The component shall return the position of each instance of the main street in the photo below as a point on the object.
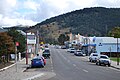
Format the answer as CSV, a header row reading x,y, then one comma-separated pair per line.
x,y
66,66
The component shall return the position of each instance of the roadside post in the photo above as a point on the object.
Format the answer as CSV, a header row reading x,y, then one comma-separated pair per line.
x,y
117,53
16,44
26,50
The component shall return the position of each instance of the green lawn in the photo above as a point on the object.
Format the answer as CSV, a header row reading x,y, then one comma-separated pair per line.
x,y
114,59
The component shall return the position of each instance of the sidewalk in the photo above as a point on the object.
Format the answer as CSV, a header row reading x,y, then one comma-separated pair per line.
x,y
114,65
16,72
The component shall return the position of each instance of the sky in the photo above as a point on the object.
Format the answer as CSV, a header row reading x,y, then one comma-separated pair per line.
x,y
31,12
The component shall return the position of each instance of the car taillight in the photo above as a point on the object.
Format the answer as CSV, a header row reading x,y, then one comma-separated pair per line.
x,y
32,62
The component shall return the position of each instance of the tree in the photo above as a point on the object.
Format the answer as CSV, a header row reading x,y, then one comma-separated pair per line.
x,y
6,45
115,32
62,38
18,37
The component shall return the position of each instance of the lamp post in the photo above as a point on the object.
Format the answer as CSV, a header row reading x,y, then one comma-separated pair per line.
x,y
117,53
26,50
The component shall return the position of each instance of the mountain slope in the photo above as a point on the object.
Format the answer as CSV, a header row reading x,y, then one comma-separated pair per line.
x,y
89,21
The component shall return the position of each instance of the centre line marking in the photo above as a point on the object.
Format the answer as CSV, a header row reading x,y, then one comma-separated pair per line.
x,y
74,65
85,70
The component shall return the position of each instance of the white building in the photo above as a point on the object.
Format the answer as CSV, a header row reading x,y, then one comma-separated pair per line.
x,y
31,42
105,44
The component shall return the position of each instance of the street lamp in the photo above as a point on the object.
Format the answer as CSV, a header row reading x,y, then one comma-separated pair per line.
x,y
117,53
26,50
116,36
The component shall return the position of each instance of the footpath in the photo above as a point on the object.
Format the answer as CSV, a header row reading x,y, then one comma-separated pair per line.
x,y
114,65
16,71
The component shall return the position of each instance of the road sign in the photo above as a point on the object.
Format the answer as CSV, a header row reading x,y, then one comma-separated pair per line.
x,y
17,43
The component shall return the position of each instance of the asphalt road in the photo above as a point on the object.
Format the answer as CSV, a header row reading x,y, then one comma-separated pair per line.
x,y
66,66
69,67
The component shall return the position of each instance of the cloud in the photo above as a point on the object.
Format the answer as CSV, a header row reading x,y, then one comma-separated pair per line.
x,y
29,12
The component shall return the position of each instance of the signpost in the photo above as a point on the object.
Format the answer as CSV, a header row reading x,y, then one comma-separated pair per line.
x,y
16,44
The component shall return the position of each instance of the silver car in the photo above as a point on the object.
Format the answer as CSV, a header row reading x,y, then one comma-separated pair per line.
x,y
93,57
103,59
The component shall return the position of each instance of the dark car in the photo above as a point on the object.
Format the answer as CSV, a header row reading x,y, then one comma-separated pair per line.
x,y
46,53
37,62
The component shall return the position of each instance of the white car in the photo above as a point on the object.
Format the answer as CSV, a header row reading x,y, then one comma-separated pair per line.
x,y
93,57
103,59
71,50
79,53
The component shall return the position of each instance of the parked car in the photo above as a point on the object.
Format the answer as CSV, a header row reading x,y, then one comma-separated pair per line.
x,y
71,50
103,59
44,60
79,53
63,47
46,53
93,57
37,62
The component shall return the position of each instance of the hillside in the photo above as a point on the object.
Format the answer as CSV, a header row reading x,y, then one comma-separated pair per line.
x,y
88,21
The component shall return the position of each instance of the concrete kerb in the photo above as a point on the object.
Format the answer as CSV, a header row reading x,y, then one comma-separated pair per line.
x,y
113,66
9,66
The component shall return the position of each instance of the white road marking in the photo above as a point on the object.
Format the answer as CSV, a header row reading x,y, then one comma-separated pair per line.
x,y
39,75
68,61
85,70
51,64
74,65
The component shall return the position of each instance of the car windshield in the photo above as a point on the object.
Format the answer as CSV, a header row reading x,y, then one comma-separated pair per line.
x,y
72,49
104,57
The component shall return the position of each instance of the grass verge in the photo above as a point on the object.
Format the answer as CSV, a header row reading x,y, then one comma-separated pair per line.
x,y
114,59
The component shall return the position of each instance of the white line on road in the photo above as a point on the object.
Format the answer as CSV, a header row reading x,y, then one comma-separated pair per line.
x,y
85,70
51,64
68,61
74,65
36,76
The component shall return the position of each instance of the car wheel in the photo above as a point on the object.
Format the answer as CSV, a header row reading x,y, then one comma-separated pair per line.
x,y
99,64
109,65
96,63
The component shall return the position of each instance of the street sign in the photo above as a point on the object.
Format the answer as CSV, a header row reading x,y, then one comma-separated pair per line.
x,y
17,43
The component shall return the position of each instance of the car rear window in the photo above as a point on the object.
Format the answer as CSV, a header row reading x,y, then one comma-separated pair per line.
x,y
46,51
72,49
95,55
37,59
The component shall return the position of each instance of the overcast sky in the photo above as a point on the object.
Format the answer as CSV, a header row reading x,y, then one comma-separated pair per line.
x,y
30,12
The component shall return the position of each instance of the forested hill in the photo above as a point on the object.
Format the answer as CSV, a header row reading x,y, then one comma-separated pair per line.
x,y
91,21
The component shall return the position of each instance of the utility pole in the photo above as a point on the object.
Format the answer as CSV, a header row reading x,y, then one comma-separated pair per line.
x,y
26,50
37,42
106,27
117,53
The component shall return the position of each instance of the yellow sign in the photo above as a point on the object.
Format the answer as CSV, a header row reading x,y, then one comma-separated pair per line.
x,y
41,43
